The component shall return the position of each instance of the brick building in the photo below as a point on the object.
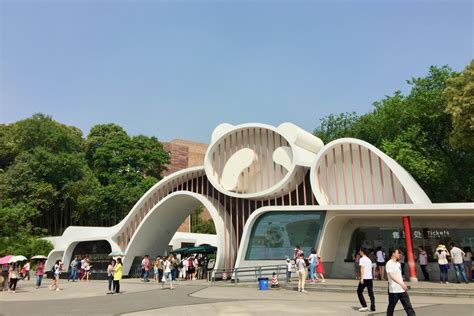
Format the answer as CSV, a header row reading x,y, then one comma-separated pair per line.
x,y
185,154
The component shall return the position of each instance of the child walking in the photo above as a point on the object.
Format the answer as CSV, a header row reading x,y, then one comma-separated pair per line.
x,y
320,270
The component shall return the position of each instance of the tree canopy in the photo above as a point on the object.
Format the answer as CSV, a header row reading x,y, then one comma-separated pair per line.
x,y
415,129
52,177
459,95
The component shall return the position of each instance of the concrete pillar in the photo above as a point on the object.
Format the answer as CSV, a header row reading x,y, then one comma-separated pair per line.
x,y
409,244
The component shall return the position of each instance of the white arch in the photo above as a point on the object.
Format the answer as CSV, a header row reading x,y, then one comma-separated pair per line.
x,y
160,224
153,196
352,171
271,180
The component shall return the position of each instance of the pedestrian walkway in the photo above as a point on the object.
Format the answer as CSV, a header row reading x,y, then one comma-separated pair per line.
x,y
199,298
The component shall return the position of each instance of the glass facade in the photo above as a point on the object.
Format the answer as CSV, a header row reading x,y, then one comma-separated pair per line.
x,y
97,251
390,237
275,234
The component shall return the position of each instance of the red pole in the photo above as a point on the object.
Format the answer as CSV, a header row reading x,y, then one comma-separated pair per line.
x,y
409,244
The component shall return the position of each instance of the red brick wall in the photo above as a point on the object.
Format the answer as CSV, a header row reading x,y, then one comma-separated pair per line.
x,y
185,154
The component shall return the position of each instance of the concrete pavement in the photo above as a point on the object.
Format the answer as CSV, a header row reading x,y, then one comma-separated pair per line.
x,y
198,298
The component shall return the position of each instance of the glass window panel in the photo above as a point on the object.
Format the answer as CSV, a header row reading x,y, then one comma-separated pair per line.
x,y
275,234
391,237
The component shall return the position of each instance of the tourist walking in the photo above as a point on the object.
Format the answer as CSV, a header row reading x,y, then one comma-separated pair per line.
x,y
117,275
191,268
301,268
320,270
373,259
402,262
457,256
57,268
356,264
423,261
182,269
5,272
146,268
174,267
397,289
313,261
468,262
83,265
442,255
156,277
167,273
289,267
87,268
14,276
366,281
73,272
110,275
380,256
39,272
26,270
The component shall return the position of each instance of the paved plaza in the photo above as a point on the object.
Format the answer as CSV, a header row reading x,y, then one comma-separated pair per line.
x,y
199,298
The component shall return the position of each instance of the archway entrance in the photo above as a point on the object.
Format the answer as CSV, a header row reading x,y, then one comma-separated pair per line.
x,y
158,227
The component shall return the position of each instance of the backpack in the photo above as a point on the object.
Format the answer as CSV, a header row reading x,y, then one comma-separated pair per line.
x,y
53,270
180,265
190,263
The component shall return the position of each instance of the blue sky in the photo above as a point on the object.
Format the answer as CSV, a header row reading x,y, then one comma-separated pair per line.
x,y
176,69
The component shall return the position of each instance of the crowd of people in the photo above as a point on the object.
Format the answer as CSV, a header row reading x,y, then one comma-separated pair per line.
x,y
171,268
310,268
460,259
373,264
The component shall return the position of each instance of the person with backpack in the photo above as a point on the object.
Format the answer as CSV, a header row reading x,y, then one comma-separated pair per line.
x,y
56,272
301,267
160,268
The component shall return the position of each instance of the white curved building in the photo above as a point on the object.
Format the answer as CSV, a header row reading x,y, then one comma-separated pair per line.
x,y
269,189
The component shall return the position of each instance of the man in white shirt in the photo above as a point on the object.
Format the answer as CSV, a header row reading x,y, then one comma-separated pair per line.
x,y
366,280
397,289
458,263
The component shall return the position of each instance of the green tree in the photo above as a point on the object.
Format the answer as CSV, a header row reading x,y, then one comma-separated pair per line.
x,y
51,177
200,225
459,95
414,129
336,126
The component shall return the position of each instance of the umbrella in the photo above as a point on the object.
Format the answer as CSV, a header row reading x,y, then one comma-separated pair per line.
x,y
6,259
39,257
117,253
17,258
201,249
181,250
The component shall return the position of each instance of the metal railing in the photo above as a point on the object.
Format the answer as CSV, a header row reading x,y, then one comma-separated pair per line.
x,y
245,274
